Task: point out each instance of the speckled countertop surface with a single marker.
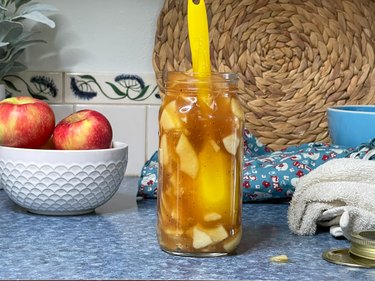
(119, 242)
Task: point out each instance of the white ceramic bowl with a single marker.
(62, 182)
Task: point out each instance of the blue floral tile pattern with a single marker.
(110, 88)
(45, 86)
(82, 89)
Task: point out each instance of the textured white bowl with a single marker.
(62, 182)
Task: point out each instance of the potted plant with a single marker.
(14, 37)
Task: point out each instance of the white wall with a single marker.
(98, 36)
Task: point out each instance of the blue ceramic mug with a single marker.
(351, 125)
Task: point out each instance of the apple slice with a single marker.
(217, 234)
(211, 217)
(163, 150)
(231, 143)
(169, 118)
(173, 231)
(237, 109)
(200, 238)
(280, 258)
(215, 146)
(188, 157)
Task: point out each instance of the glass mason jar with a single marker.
(200, 165)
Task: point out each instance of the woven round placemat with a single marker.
(294, 59)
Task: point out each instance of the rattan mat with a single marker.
(294, 59)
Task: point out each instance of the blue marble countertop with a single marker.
(119, 242)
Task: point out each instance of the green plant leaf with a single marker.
(5, 3)
(3, 53)
(39, 7)
(11, 57)
(36, 16)
(25, 35)
(13, 38)
(24, 44)
(10, 30)
(17, 49)
(5, 67)
(17, 68)
(19, 3)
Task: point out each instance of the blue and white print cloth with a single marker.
(267, 174)
(274, 175)
(148, 181)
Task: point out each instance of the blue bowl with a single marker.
(351, 125)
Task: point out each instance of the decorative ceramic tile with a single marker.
(47, 86)
(62, 110)
(111, 88)
(129, 126)
(152, 128)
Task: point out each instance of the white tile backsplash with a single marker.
(62, 110)
(129, 126)
(152, 128)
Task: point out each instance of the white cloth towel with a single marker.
(339, 194)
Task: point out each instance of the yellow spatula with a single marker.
(199, 38)
(213, 193)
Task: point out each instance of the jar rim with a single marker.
(195, 77)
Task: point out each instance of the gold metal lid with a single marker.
(363, 245)
(343, 257)
(360, 254)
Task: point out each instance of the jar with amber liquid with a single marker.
(200, 165)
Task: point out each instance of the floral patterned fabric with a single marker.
(274, 175)
(148, 181)
(267, 174)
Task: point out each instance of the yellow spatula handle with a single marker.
(199, 38)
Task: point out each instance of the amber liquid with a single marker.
(200, 157)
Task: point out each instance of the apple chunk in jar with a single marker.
(200, 165)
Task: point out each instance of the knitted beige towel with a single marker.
(339, 194)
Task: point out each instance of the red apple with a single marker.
(25, 122)
(85, 129)
(48, 144)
